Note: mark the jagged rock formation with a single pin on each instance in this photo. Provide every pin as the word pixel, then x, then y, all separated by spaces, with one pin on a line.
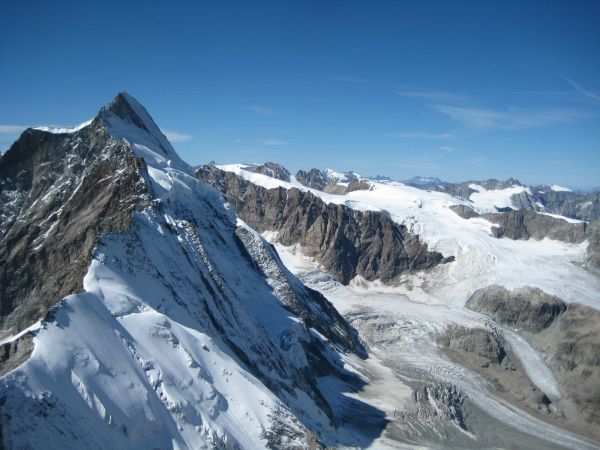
pixel 270 169
pixel 326 182
pixel 578 205
pixel 184 329
pixel 593 236
pixel 347 242
pixel 58 193
pixel 567 335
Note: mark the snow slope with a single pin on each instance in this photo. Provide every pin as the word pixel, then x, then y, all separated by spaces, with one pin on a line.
pixel 179 340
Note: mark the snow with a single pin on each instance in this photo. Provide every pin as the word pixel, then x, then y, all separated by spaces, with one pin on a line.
pixel 174 336
pixel 64 130
pixel 557 188
pixel 36 326
pixel 485 201
pixel 480 258
pixel 558 216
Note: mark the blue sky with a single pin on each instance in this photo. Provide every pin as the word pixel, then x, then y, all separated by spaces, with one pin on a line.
pixel 459 90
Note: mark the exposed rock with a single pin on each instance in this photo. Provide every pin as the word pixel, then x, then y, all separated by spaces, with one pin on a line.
pixel 314 179
pixel 592 233
pixel 578 205
pixel 323 181
pixel 464 211
pixel 345 241
pixel 527 308
pixel 487 345
pixel 271 169
pixel 58 192
pixel 14 353
pixel 567 336
pixel 311 306
pixel 524 224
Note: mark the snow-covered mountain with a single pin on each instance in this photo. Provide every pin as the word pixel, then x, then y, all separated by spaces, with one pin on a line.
pixel 139 312
pixel 419 323
pixel 146 304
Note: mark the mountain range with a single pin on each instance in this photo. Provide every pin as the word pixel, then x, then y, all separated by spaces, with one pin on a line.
pixel 145 303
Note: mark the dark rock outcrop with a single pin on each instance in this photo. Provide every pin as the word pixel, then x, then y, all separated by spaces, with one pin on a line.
pixel 464 211
pixel 321 181
pixel 14 353
pixel 314 179
pixel 488 345
pixel 345 241
pixel 577 205
pixel 58 193
pixel 527 308
pixel 270 169
pixel 525 224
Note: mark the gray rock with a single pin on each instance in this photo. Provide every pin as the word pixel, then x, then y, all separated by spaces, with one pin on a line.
pixel 464 211
pixel 525 224
pixel 345 241
pixel 58 193
pixel 527 308
pixel 271 169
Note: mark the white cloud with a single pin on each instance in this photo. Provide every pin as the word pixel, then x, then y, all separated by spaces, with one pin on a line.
pixel 12 129
pixel 507 120
pixel 423 135
pixel 447 148
pixel 173 136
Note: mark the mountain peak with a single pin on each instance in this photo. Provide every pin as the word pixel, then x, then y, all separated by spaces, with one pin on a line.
pixel 127 119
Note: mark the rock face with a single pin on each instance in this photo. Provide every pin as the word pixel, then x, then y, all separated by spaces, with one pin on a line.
pixel 314 179
pixel 525 224
pixel 567 335
pixel 527 308
pixel 347 242
pixel 58 192
pixel 593 250
pixel 578 205
pixel 271 169
pixel 325 181
pixel 487 345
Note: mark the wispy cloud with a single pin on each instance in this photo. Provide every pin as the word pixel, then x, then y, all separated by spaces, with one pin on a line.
pixel 507 120
pixel 262 110
pixel 423 135
pixel 431 95
pixel 447 148
pixel 12 129
pixel 589 94
pixel 173 136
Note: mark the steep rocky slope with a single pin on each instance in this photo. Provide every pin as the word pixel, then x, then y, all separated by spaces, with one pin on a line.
pixel 183 328
pixel 347 242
